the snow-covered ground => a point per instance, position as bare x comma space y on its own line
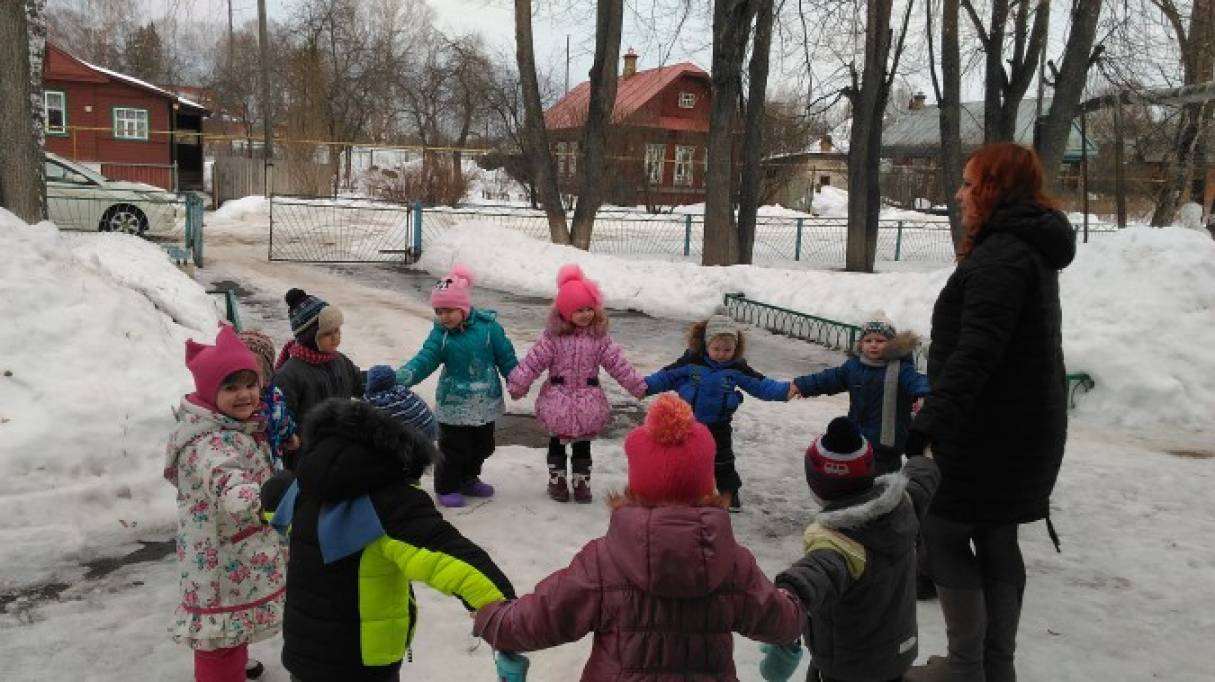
94, 347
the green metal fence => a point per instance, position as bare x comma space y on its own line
833, 334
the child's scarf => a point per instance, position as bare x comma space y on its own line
296, 350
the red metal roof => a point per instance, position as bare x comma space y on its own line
632, 93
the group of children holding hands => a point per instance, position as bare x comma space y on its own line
306, 443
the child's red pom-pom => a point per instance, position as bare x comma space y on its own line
669, 419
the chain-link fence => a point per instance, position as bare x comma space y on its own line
342, 230
348, 230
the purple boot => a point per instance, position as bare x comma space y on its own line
451, 500
477, 488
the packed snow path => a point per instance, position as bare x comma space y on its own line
1125, 601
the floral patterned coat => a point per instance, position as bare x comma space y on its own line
232, 569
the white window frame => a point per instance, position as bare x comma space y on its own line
131, 123
655, 159
687, 100
685, 156
560, 159
62, 108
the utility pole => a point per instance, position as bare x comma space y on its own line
264, 71
1119, 169
230, 32
567, 63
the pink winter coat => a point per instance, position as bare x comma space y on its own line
571, 404
662, 591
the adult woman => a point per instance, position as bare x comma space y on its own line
997, 414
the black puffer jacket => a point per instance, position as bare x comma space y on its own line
997, 414
362, 532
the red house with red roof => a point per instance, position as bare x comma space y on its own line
126, 128
657, 140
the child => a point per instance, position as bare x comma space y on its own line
474, 350
572, 406
667, 586
399, 402
280, 424
232, 579
857, 579
361, 532
707, 377
882, 384
310, 368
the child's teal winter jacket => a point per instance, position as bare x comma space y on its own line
473, 356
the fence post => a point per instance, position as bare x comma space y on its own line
797, 246
687, 235
898, 241
417, 230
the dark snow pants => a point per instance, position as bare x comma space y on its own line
464, 449
728, 480
580, 462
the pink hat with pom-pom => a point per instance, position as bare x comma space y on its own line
671, 455
454, 290
210, 365
575, 291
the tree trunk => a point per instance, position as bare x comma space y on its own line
22, 172
608, 21
950, 116
731, 26
536, 148
994, 129
752, 171
864, 150
1069, 87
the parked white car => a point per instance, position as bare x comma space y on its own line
79, 198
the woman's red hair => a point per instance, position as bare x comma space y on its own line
1003, 173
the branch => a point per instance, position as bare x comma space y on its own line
898, 51
975, 19
932, 60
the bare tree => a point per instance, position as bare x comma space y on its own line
948, 89
868, 94
731, 29
537, 147
609, 17
22, 178
1078, 57
1004, 90
753, 143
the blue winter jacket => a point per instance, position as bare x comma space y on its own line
469, 391
711, 387
866, 387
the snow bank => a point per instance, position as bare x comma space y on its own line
92, 363
1136, 305
243, 208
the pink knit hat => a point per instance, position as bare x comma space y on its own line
575, 291
671, 455
453, 290
210, 365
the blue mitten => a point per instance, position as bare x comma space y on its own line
780, 662
511, 667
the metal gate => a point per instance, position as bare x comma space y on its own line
338, 230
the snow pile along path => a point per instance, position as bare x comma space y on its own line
1134, 303
92, 363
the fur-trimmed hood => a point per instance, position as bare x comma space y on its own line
880, 517
901, 346
352, 448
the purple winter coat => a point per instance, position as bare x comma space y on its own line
663, 592
571, 406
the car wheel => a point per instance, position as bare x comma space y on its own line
124, 218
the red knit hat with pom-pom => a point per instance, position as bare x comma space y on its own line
671, 455
454, 290
575, 291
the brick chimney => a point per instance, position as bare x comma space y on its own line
825, 144
917, 102
630, 63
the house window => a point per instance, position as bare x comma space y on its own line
654, 158
560, 159
683, 165
54, 104
825, 180
130, 124
571, 163
687, 100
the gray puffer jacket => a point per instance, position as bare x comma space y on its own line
857, 578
